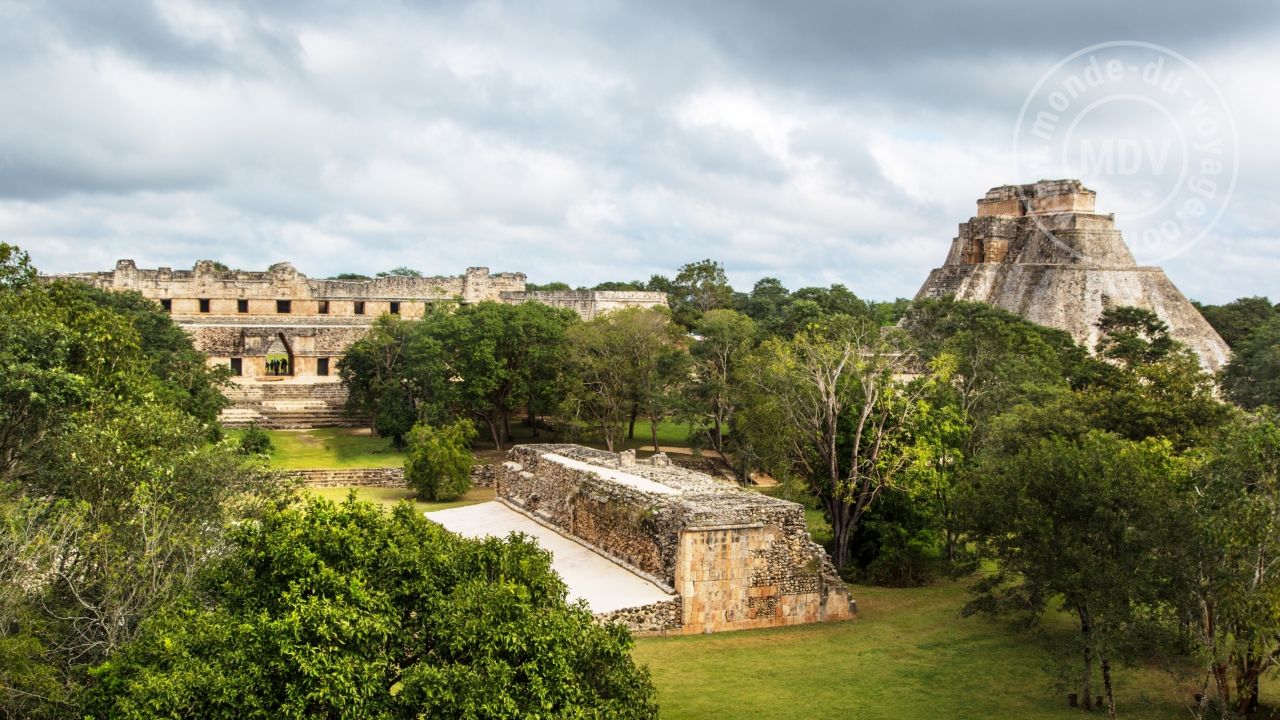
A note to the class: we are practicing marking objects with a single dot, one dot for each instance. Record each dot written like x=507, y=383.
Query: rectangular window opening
x=395, y=307
x=167, y=304
x=284, y=306
x=242, y=306
x=322, y=366
x=237, y=367
x=322, y=307
x=359, y=307
x=204, y=305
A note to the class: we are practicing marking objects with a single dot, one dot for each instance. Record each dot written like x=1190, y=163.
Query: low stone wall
x=354, y=477
x=484, y=475
x=737, y=559
x=656, y=619
x=481, y=476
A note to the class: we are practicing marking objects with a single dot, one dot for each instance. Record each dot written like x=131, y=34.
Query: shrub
x=255, y=441
x=346, y=611
x=440, y=460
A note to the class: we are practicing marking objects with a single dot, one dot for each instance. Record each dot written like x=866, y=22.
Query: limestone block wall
x=634, y=527
x=736, y=559
x=241, y=314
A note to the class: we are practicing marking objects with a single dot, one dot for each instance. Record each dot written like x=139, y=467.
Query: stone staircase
x=288, y=406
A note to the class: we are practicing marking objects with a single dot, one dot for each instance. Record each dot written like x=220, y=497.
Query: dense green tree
x=1252, y=376
x=255, y=441
x=723, y=338
x=1082, y=519
x=1237, y=319
x=620, y=363
x=698, y=287
x=350, y=276
x=377, y=368
x=401, y=271
x=439, y=461
x=766, y=304
x=829, y=408
x=498, y=358
x=1147, y=385
x=1133, y=336
x=835, y=300
x=889, y=312
x=350, y=612
x=1228, y=520
x=551, y=286
x=994, y=360
x=482, y=361
x=109, y=479
x=622, y=285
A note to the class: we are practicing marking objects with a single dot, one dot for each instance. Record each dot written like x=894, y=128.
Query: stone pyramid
x=1041, y=251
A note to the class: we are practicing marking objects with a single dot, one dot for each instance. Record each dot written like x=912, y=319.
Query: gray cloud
x=818, y=142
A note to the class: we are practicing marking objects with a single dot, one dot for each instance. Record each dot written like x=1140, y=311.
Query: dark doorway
x=204, y=305
x=284, y=307
x=242, y=306
x=279, y=357
x=237, y=367
x=322, y=366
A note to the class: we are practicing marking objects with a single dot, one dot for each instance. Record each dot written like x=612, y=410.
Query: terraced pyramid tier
x=1041, y=251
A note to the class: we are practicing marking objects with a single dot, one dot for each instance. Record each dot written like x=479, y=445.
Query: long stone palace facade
x=283, y=333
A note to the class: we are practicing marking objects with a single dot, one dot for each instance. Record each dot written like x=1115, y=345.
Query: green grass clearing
x=390, y=497
x=331, y=448
x=344, y=448
x=909, y=655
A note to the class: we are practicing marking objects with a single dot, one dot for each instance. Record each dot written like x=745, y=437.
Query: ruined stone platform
x=604, y=584
x=721, y=558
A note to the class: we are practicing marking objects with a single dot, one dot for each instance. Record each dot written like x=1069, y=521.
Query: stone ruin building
x=1041, y=250
x=669, y=550
x=282, y=333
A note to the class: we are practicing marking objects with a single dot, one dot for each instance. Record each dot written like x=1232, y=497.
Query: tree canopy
x=346, y=611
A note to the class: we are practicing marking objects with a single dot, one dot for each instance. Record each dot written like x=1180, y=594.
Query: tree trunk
x=1247, y=684
x=717, y=440
x=1217, y=668
x=1106, y=683
x=532, y=419
x=1086, y=633
x=494, y=433
x=841, y=528
x=631, y=427
x=653, y=431
x=506, y=426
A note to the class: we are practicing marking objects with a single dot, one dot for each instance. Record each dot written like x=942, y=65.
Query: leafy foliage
x=349, y=612
x=1236, y=320
x=828, y=407
x=440, y=460
x=482, y=361
x=621, y=363
x=1252, y=376
x=112, y=491
x=255, y=441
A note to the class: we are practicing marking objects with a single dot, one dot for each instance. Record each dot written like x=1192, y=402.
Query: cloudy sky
x=581, y=141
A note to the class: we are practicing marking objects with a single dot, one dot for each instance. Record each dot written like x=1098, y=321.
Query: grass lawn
x=909, y=655
x=332, y=448
x=340, y=448
x=390, y=497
